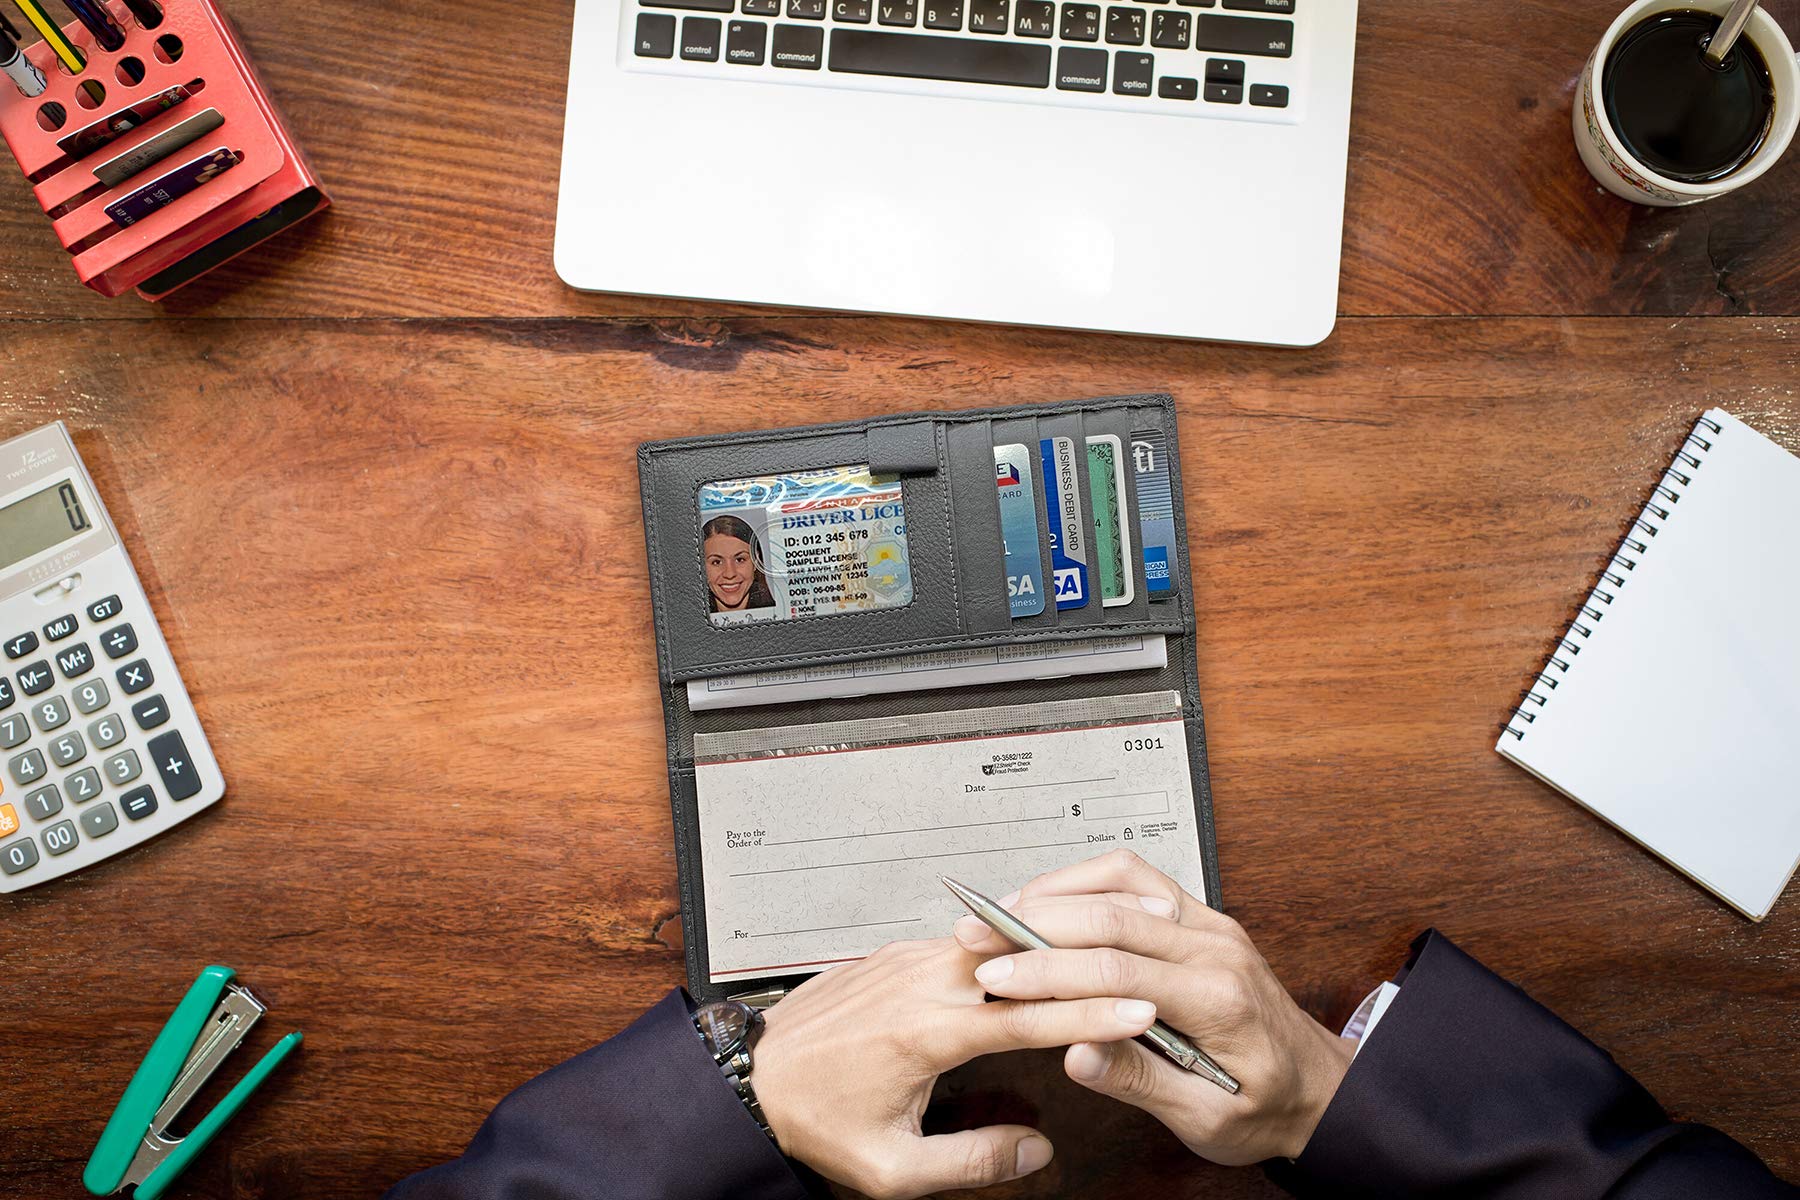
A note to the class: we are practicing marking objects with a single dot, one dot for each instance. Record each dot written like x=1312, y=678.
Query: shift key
x=1244, y=35
x=180, y=777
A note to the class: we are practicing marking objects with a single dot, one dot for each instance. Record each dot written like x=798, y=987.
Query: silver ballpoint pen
x=1158, y=1037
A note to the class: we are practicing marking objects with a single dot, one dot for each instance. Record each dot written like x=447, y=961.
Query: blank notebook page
x=1672, y=706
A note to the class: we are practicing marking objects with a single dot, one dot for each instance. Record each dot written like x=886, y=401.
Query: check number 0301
x=1143, y=743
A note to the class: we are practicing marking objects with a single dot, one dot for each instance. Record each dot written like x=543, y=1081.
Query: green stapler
x=208, y=1024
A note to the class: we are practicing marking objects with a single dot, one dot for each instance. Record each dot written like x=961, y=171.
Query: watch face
x=724, y=1025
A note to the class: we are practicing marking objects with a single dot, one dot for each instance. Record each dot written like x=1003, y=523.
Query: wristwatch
x=728, y=1028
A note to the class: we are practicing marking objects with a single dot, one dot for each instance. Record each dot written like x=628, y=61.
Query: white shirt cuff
x=1368, y=1014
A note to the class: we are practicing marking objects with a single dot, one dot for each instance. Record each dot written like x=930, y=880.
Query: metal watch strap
x=736, y=1070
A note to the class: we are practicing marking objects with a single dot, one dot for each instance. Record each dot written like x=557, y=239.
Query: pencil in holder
x=96, y=147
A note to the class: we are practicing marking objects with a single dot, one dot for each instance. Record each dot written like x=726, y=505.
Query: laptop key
x=943, y=14
x=1081, y=22
x=1079, y=70
x=987, y=16
x=1132, y=74
x=1224, y=70
x=960, y=60
x=1261, y=6
x=1174, y=87
x=806, y=10
x=745, y=41
x=798, y=46
x=1268, y=95
x=856, y=12
x=700, y=39
x=1169, y=30
x=1244, y=35
x=1034, y=18
x=1125, y=26
x=655, y=35
x=762, y=8
x=899, y=12
x=722, y=6
x=1225, y=93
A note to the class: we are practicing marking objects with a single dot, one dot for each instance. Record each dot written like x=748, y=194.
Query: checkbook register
x=948, y=642
x=102, y=747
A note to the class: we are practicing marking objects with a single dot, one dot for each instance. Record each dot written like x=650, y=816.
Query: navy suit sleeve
x=1471, y=1088
x=643, y=1116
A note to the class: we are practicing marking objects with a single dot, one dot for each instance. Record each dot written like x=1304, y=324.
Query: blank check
x=820, y=843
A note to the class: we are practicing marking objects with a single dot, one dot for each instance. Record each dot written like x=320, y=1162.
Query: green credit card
x=1112, y=530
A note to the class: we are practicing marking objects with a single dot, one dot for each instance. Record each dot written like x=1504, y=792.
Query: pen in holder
x=160, y=160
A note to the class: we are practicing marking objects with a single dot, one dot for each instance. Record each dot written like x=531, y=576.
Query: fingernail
x=995, y=970
x=1034, y=1152
x=1085, y=1061
x=1157, y=905
x=970, y=929
x=1007, y=901
x=1135, y=1012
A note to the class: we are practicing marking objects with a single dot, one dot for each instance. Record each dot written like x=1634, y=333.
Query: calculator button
x=44, y=803
x=150, y=713
x=91, y=696
x=107, y=731
x=138, y=803
x=22, y=645
x=122, y=767
x=14, y=728
x=60, y=628
x=179, y=777
x=36, y=677
x=60, y=838
x=104, y=610
x=27, y=767
x=50, y=714
x=18, y=856
x=69, y=748
x=99, y=820
x=134, y=677
x=9, y=820
x=120, y=642
x=76, y=661
x=7, y=696
x=82, y=785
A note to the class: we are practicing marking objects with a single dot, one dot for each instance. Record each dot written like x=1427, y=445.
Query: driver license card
x=803, y=544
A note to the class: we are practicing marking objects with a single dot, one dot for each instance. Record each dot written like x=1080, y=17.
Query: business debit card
x=165, y=191
x=91, y=137
x=178, y=136
x=1019, y=531
x=808, y=543
x=1112, y=529
x=1156, y=511
x=1062, y=504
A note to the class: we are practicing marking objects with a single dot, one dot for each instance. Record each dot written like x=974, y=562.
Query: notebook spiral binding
x=1663, y=499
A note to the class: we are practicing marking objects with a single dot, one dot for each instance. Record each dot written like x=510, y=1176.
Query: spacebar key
x=961, y=60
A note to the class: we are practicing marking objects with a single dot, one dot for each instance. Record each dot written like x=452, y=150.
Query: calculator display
x=41, y=520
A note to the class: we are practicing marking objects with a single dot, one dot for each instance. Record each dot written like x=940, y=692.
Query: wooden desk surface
x=378, y=478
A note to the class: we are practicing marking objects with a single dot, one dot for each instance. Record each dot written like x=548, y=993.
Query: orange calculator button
x=9, y=820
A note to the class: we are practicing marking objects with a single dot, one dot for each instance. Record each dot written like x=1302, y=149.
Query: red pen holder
x=187, y=63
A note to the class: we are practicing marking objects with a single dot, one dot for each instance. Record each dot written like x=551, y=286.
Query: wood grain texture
x=401, y=566
x=437, y=126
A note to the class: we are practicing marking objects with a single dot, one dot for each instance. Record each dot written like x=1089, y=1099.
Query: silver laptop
x=1172, y=168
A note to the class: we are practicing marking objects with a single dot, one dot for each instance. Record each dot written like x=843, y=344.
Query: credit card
x=115, y=171
x=89, y=138
x=1062, y=504
x=1156, y=511
x=1019, y=531
x=163, y=192
x=804, y=544
x=1112, y=528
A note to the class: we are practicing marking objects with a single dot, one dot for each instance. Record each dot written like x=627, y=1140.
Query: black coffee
x=1679, y=115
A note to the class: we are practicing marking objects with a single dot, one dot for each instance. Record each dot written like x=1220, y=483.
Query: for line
x=830, y=928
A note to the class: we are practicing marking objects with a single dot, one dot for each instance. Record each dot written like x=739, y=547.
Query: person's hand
x=1130, y=930
x=845, y=1067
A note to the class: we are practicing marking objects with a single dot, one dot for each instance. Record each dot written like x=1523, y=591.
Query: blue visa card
x=1019, y=531
x=1156, y=511
x=1062, y=504
x=171, y=187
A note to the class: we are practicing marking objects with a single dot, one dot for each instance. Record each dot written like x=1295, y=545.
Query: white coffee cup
x=1621, y=173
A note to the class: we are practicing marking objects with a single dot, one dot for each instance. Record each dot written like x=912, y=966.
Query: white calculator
x=100, y=744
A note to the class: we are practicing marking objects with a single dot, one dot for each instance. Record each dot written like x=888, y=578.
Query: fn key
x=179, y=777
x=655, y=35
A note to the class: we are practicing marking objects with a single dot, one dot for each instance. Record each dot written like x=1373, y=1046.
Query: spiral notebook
x=1671, y=707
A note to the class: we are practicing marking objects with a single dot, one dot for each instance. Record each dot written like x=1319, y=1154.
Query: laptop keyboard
x=1213, y=58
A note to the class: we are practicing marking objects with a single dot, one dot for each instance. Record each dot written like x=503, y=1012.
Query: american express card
x=165, y=191
x=1156, y=511
x=1112, y=529
x=1019, y=531
x=1062, y=504
x=808, y=543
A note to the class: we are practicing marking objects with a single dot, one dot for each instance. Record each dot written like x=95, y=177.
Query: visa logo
x=1020, y=585
x=1068, y=584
